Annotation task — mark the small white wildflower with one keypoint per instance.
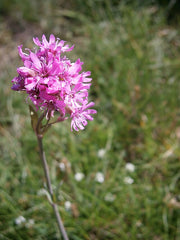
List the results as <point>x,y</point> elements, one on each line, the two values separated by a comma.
<point>79,176</point>
<point>41,192</point>
<point>128,180</point>
<point>67,205</point>
<point>62,166</point>
<point>130,167</point>
<point>99,177</point>
<point>19,220</point>
<point>101,153</point>
<point>30,223</point>
<point>109,197</point>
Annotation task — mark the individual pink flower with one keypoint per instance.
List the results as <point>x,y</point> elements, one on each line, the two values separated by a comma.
<point>54,83</point>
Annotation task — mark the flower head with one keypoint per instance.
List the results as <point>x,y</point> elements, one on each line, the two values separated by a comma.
<point>128,180</point>
<point>19,220</point>
<point>79,176</point>
<point>130,167</point>
<point>99,177</point>
<point>67,205</point>
<point>54,83</point>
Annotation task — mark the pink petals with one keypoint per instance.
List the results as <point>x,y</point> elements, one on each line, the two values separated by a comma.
<point>54,83</point>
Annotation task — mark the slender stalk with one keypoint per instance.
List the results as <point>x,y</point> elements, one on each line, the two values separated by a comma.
<point>38,129</point>
<point>46,172</point>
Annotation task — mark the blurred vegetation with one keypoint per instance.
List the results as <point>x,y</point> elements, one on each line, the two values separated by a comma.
<point>134,55</point>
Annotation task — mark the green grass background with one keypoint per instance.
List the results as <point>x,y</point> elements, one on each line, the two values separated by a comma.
<point>133,53</point>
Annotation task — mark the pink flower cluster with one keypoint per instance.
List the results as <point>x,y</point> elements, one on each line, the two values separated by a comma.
<point>54,83</point>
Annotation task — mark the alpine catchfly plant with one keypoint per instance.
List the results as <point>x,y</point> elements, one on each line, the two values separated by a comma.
<point>57,89</point>
<point>53,83</point>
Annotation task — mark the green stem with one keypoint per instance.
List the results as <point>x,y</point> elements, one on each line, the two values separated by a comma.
<point>48,181</point>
